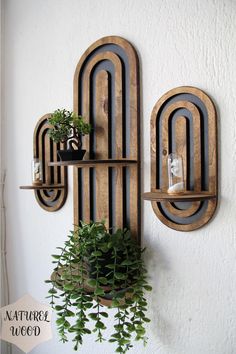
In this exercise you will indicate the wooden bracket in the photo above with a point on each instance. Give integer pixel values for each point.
(184, 121)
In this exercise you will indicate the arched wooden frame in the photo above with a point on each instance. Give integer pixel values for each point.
(184, 121)
(106, 92)
(50, 198)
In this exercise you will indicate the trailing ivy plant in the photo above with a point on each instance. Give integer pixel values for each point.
(94, 264)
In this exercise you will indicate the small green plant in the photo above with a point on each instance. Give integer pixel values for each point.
(68, 127)
(94, 264)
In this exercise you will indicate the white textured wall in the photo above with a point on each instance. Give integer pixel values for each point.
(188, 42)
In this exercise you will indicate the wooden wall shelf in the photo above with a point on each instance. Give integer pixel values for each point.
(94, 163)
(185, 197)
(106, 93)
(184, 121)
(44, 187)
(52, 195)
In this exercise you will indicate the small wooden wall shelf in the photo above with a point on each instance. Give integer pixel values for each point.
(185, 197)
(183, 121)
(51, 195)
(44, 186)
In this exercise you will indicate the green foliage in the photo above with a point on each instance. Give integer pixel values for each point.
(95, 264)
(67, 126)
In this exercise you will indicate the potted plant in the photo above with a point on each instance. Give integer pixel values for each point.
(92, 266)
(68, 127)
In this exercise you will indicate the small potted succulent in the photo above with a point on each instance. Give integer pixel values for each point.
(68, 127)
(95, 268)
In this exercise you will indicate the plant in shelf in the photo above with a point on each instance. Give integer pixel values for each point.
(95, 265)
(68, 127)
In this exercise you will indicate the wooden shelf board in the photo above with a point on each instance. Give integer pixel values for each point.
(44, 186)
(185, 197)
(94, 163)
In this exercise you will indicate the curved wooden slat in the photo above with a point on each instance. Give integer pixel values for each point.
(180, 148)
(53, 199)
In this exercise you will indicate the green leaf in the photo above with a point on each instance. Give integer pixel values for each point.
(120, 276)
(127, 262)
(110, 266)
(120, 295)
(68, 287)
(56, 256)
(59, 308)
(102, 280)
(104, 314)
(66, 324)
(88, 305)
(97, 253)
(118, 327)
(99, 292)
(69, 313)
(92, 282)
(148, 287)
(100, 325)
(118, 315)
(60, 321)
(79, 325)
(52, 291)
(145, 319)
(115, 303)
(116, 335)
(87, 331)
(93, 315)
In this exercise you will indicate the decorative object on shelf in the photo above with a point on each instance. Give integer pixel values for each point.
(68, 127)
(106, 92)
(184, 122)
(95, 264)
(175, 174)
(37, 178)
(52, 192)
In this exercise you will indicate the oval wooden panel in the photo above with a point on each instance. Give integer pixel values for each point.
(184, 121)
(106, 92)
(46, 151)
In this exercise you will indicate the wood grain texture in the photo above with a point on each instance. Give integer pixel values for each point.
(49, 198)
(94, 163)
(196, 132)
(102, 147)
(189, 197)
(106, 92)
(181, 149)
(44, 186)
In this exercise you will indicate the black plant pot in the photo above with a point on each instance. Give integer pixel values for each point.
(71, 155)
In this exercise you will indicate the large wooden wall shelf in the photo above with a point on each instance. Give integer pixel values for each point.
(44, 187)
(94, 163)
(159, 196)
(106, 93)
